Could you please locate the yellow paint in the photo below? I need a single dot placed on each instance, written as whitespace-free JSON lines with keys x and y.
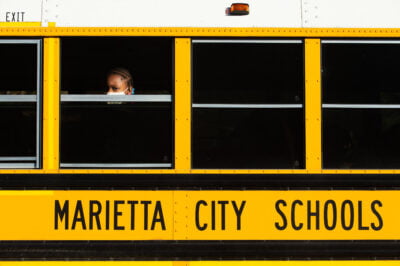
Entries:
{"x":200,"y":31}
{"x":180,"y":263}
{"x":182,"y":102}
{"x":20,"y":24}
{"x":51,"y":24}
{"x":26,"y":193}
{"x":204,"y":263}
{"x":51,"y":104}
{"x":313,"y":104}
{"x":32,"y":217}
{"x":181,"y":215}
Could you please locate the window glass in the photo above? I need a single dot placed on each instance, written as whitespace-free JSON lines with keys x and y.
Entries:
{"x":248,"y":72}
{"x":248,"y":104}
{"x":116,"y":103}
{"x":86,"y":62}
{"x":361,"y":138}
{"x":18,"y":130}
{"x":248,"y":138}
{"x":361,"y":73}
{"x":18,"y":68}
{"x":116,"y":133}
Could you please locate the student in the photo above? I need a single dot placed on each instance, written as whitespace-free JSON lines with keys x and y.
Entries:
{"x":119,"y":82}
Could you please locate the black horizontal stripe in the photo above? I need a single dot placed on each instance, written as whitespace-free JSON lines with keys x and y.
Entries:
{"x":199,"y":181}
{"x":199,"y":250}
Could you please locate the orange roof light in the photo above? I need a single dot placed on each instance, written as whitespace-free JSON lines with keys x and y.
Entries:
{"x":239,"y":9}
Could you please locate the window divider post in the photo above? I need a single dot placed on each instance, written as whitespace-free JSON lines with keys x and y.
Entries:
{"x":313,"y":128}
{"x":51,"y":104}
{"x":182,"y":103}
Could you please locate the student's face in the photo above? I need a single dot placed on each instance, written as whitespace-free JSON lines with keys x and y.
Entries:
{"x":116,"y":83}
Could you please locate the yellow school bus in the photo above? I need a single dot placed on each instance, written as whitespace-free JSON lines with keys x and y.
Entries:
{"x":253,"y":131}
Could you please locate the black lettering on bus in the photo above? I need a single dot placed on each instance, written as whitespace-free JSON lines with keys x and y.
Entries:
{"x":282,"y":214}
{"x":377,"y":214}
{"x":238,"y":213}
{"x":223,"y":204}
{"x":107,"y":215}
{"x":61,"y":213}
{"x":360,"y":217}
{"x":334,"y":214}
{"x":310,"y":214}
{"x":116,"y":214}
{"x":213,"y":215}
{"x":197,"y":215}
{"x":79,"y":216}
{"x":94,"y":214}
{"x":146,"y":213}
{"x":343,"y":215}
{"x":15,"y":16}
{"x":158,"y":216}
{"x":293,"y":215}
{"x":133,"y":203}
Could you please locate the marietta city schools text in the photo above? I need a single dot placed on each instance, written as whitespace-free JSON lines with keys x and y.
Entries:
{"x":211,"y":215}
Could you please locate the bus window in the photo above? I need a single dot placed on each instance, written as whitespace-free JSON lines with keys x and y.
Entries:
{"x":361,"y":104}
{"x":131,"y":130}
{"x":20,"y":101}
{"x":248,"y":104}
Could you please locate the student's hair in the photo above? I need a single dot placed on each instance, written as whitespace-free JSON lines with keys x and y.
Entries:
{"x":123,"y":72}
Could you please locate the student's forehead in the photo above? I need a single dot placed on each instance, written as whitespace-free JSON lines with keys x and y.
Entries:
{"x":114,"y":76}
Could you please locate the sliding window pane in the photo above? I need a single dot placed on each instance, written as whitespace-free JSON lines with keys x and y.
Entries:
{"x":86,"y":62}
{"x":116,"y":133}
{"x":361,"y":138}
{"x":18,"y":130}
{"x":248,"y":138}
{"x":248,"y":72}
{"x":18,"y":68}
{"x":361,"y":73}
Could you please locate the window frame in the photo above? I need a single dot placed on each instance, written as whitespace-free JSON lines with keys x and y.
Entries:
{"x":26,"y":161}
{"x":301,"y":105}
{"x":93,"y":98}
{"x":354,"y":106}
